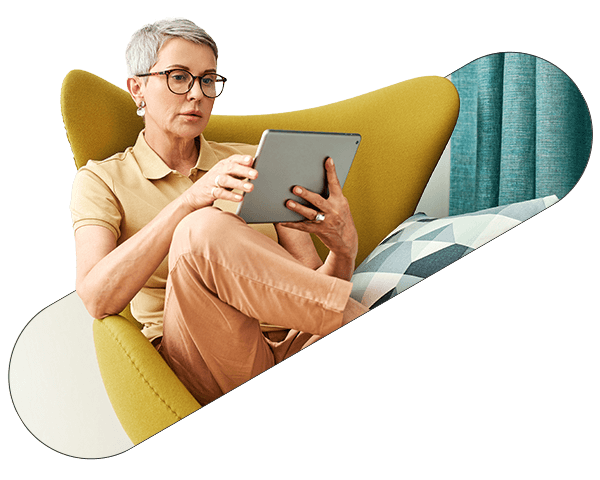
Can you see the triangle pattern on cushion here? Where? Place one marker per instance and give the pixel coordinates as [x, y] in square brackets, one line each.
[442, 234]
[424, 245]
[422, 249]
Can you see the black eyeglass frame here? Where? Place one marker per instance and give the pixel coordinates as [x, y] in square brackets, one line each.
[220, 78]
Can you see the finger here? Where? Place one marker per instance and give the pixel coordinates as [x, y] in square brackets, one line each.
[301, 226]
[224, 194]
[239, 166]
[228, 182]
[242, 159]
[313, 198]
[238, 170]
[306, 212]
[332, 179]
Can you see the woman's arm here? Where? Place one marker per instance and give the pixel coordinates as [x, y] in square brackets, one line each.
[302, 248]
[300, 245]
[109, 276]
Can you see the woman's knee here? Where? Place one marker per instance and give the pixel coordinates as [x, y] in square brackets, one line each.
[203, 229]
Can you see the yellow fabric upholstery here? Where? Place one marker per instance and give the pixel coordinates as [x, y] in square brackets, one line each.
[405, 128]
[99, 117]
[145, 393]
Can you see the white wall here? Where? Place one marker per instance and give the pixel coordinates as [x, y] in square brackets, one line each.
[435, 199]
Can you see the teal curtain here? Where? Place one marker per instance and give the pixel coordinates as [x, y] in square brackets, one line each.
[524, 131]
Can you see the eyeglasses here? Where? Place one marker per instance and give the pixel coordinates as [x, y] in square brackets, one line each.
[181, 82]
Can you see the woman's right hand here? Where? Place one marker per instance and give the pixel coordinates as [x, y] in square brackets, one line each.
[227, 175]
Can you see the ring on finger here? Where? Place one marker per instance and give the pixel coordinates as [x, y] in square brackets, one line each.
[217, 181]
[319, 217]
[212, 192]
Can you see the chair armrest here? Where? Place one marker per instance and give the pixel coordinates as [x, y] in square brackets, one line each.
[145, 393]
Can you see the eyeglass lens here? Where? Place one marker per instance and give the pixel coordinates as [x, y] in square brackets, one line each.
[181, 81]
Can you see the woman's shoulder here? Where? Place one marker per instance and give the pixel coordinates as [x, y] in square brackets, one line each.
[108, 166]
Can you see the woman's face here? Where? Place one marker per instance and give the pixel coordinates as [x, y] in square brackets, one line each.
[181, 117]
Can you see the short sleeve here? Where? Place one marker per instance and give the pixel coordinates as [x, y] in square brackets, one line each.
[94, 203]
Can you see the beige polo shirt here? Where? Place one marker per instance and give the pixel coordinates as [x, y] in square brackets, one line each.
[126, 191]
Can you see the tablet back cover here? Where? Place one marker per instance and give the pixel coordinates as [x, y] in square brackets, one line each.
[289, 158]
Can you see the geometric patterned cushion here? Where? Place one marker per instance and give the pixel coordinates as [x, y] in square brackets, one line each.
[422, 246]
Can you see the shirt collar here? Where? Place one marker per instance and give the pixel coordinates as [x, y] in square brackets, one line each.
[153, 167]
[207, 158]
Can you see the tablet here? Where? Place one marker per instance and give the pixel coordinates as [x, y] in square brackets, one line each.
[286, 159]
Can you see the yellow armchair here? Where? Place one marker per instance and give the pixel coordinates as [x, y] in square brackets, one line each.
[405, 128]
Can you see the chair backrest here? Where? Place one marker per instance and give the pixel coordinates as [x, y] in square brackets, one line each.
[405, 128]
[99, 117]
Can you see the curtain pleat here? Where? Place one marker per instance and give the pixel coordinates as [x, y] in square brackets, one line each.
[523, 132]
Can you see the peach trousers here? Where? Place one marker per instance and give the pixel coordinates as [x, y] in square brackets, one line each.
[225, 279]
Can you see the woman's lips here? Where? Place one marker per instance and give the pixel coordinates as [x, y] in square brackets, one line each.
[192, 115]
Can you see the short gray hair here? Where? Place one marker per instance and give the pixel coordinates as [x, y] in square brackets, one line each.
[142, 51]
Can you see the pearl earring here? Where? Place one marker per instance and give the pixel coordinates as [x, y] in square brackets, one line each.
[141, 111]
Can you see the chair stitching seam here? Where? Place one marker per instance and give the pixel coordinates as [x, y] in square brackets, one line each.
[133, 362]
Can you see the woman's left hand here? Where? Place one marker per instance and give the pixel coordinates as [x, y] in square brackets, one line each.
[336, 230]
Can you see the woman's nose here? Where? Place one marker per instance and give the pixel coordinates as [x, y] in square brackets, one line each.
[196, 90]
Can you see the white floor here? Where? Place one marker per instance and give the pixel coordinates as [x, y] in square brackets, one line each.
[56, 386]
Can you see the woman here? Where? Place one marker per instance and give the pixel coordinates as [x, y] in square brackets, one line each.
[221, 301]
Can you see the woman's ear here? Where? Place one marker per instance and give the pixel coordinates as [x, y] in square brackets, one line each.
[136, 90]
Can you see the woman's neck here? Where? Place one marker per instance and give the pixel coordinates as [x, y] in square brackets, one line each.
[178, 153]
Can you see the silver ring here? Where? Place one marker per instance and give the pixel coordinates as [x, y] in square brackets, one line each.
[319, 217]
[217, 181]
[212, 192]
